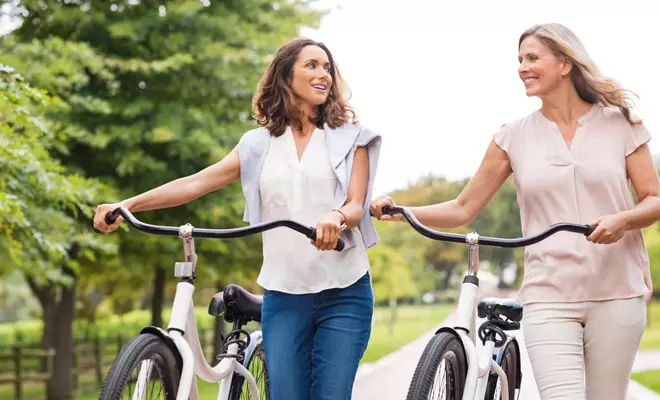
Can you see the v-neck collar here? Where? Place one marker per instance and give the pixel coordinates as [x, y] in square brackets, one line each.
[569, 149]
[292, 145]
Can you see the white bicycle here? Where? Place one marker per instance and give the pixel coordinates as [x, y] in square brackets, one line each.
[451, 367]
[163, 364]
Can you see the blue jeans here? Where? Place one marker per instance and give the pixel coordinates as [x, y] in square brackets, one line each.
[314, 342]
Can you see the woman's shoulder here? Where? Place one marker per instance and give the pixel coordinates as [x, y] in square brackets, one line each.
[520, 123]
[615, 115]
[355, 133]
[509, 131]
[254, 138]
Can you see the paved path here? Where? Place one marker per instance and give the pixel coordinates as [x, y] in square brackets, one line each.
[389, 377]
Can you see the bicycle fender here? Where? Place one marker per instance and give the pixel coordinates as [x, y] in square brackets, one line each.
[450, 330]
[255, 339]
[511, 341]
[161, 333]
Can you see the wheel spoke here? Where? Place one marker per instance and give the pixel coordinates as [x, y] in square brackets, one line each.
[439, 382]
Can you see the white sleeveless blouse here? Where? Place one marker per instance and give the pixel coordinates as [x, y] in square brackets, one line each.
[302, 190]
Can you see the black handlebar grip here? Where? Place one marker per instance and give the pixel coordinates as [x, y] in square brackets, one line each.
[591, 229]
[340, 241]
[110, 218]
[387, 209]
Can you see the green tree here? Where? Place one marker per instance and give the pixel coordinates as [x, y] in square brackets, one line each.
[500, 218]
[40, 206]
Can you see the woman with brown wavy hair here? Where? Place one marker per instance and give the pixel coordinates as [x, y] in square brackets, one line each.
[572, 161]
[312, 162]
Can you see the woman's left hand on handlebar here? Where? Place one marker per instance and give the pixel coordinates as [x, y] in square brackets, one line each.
[99, 218]
[327, 231]
[609, 229]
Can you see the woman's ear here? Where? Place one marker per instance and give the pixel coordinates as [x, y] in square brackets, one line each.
[566, 66]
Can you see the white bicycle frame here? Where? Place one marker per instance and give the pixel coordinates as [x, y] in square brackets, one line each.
[480, 361]
[182, 329]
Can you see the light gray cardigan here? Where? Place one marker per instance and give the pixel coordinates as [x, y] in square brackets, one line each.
[341, 144]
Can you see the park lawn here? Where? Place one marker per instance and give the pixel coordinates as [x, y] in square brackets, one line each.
[651, 338]
[650, 379]
[411, 323]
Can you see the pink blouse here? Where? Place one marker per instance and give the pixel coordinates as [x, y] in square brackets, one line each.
[556, 183]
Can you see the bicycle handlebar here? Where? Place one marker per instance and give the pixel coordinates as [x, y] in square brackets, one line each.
[233, 233]
[586, 230]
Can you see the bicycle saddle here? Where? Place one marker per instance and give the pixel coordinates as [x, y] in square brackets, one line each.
[492, 308]
[236, 303]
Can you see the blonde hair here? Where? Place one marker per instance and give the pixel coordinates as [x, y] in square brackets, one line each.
[591, 86]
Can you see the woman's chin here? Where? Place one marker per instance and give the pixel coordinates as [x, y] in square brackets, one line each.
[532, 92]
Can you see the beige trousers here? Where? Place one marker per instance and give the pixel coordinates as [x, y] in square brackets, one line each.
[596, 342]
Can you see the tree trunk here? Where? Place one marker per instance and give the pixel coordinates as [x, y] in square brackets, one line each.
[449, 273]
[47, 300]
[58, 315]
[49, 335]
[60, 386]
[158, 296]
[392, 314]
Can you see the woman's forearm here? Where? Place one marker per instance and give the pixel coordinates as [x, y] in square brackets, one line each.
[171, 194]
[448, 214]
[352, 213]
[646, 213]
[189, 188]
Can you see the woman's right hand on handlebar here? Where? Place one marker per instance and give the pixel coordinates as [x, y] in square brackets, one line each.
[376, 209]
[99, 218]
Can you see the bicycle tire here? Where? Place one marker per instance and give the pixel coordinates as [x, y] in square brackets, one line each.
[258, 356]
[443, 346]
[143, 347]
[509, 363]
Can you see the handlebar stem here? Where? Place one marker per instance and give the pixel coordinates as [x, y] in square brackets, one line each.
[187, 268]
[472, 241]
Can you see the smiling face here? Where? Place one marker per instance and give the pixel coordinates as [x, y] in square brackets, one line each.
[540, 69]
[311, 81]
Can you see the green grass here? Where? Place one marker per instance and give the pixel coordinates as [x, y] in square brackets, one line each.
[651, 338]
[411, 323]
[650, 379]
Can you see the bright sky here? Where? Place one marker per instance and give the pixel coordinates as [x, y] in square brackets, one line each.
[438, 78]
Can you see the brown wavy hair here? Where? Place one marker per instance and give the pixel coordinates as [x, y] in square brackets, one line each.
[590, 85]
[275, 105]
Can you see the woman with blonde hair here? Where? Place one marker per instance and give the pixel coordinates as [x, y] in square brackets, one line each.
[571, 160]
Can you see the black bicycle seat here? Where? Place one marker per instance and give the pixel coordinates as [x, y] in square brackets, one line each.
[236, 303]
[493, 308]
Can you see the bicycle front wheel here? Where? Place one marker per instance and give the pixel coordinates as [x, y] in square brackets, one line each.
[146, 368]
[257, 367]
[441, 371]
